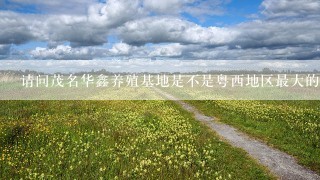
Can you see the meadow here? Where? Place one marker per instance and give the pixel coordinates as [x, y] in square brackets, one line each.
[114, 140]
[291, 126]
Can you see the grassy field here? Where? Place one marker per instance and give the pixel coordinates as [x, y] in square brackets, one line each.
[114, 140]
[291, 126]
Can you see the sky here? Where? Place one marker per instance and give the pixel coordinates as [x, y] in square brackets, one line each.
[154, 29]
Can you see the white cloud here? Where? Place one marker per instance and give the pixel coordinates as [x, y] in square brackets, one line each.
[206, 8]
[290, 29]
[19, 29]
[166, 6]
[62, 52]
[93, 29]
[169, 50]
[77, 30]
[289, 8]
[165, 29]
[277, 33]
[121, 49]
[14, 29]
[197, 8]
[290, 53]
[80, 30]
[115, 12]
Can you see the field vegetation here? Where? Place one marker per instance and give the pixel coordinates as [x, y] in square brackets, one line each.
[114, 140]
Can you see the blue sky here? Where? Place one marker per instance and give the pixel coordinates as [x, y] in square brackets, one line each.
[168, 29]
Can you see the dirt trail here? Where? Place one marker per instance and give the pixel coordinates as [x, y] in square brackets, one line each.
[279, 163]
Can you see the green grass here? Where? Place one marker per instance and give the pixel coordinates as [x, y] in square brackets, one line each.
[114, 140]
[291, 126]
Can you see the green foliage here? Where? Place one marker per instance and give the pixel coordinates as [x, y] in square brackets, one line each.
[114, 140]
[292, 126]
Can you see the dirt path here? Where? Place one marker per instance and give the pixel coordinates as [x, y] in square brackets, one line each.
[279, 163]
